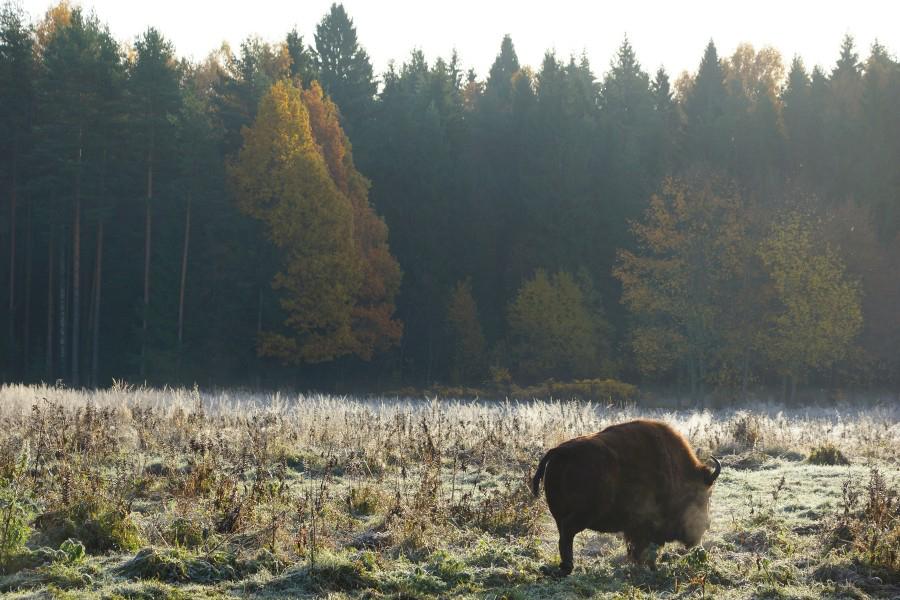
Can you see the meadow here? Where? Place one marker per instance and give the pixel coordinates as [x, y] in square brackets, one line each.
[178, 493]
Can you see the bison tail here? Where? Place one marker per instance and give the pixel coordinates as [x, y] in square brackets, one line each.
[539, 474]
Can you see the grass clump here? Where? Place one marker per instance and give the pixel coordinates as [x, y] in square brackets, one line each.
[868, 528]
[178, 565]
[186, 533]
[448, 568]
[99, 528]
[151, 590]
[330, 572]
[364, 500]
[59, 575]
[827, 454]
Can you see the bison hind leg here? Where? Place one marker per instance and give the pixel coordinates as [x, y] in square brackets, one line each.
[568, 529]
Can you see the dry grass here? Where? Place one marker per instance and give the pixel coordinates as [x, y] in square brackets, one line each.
[178, 493]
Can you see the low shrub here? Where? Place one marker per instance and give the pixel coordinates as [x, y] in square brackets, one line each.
[869, 525]
[16, 512]
[827, 454]
[745, 430]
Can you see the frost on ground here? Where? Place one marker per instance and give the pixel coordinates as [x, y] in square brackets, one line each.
[137, 493]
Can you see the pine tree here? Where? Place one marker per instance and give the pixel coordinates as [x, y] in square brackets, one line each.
[754, 114]
[81, 69]
[154, 88]
[667, 119]
[797, 115]
[303, 59]
[879, 179]
[843, 113]
[627, 119]
[707, 137]
[499, 81]
[344, 68]
[416, 160]
[17, 73]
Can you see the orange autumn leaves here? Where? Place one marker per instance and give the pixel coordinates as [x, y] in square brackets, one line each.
[338, 280]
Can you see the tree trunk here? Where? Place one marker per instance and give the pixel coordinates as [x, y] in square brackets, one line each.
[76, 268]
[98, 286]
[784, 389]
[702, 382]
[50, 308]
[147, 232]
[184, 261]
[258, 335]
[61, 312]
[745, 375]
[26, 339]
[692, 368]
[11, 340]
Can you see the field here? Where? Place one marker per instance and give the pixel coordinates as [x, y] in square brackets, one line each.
[138, 493]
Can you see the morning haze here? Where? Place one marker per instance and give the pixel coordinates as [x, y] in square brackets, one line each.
[281, 318]
[664, 33]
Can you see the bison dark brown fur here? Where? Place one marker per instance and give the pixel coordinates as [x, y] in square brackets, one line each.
[640, 478]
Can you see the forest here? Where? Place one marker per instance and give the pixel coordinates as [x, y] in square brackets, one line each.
[279, 214]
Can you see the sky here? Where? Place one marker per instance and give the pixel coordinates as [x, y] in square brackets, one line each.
[663, 33]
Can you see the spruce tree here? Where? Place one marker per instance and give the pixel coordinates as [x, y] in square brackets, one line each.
[17, 73]
[344, 69]
[706, 135]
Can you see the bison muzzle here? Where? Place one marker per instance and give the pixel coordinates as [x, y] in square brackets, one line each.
[639, 478]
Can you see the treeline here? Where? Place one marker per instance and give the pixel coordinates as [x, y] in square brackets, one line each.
[735, 227]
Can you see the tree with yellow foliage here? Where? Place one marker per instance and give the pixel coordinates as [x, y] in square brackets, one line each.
[295, 173]
[373, 326]
[817, 310]
[467, 352]
[551, 329]
[677, 284]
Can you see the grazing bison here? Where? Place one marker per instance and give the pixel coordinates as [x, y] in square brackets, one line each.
[640, 478]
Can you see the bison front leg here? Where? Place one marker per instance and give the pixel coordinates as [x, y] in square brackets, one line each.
[636, 545]
[642, 550]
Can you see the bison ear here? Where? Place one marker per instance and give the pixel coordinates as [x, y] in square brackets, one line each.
[710, 474]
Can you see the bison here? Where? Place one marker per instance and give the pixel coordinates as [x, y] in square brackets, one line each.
[640, 478]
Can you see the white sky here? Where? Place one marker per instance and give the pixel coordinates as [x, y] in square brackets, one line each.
[671, 33]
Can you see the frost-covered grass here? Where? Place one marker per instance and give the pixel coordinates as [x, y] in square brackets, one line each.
[180, 493]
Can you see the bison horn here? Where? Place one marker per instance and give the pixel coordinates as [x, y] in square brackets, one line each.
[712, 475]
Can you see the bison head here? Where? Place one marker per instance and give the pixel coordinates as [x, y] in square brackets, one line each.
[695, 518]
